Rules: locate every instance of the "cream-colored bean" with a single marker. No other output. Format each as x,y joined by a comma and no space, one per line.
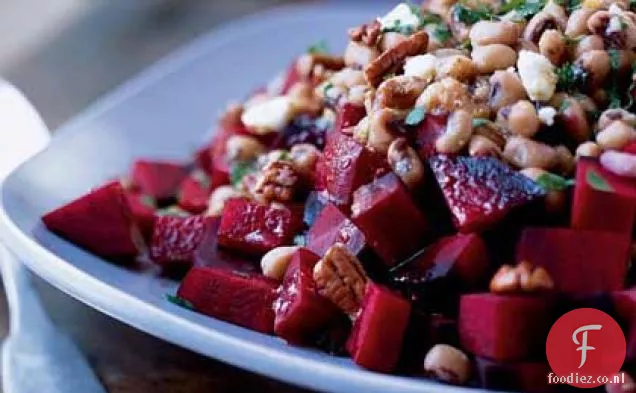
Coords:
446,95
554,8
399,92
439,7
552,46
487,32
597,65
380,129
459,129
610,115
588,149
405,163
480,146
242,148
526,153
489,58
275,262
358,55
304,157
447,364
577,22
217,199
539,23
506,89
459,67
523,44
588,43
523,119
616,136
390,40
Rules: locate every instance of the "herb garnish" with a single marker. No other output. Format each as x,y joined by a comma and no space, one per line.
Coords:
614,95
552,182
415,116
524,8
480,122
442,33
470,16
181,302
597,181
318,47
239,170
571,77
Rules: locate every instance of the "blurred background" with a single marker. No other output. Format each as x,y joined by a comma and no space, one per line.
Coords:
64,54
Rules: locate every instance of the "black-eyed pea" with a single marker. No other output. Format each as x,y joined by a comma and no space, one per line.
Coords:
491,32
577,22
554,8
505,89
523,119
358,55
399,92
526,153
610,115
217,199
573,119
459,129
527,45
588,149
552,45
447,364
446,95
243,148
588,43
275,262
489,58
459,67
380,133
597,65
566,160
617,162
616,135
405,163
480,146
539,23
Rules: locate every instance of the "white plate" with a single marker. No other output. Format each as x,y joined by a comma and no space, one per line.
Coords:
166,113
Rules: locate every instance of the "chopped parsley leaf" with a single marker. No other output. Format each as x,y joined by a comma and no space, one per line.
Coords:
470,16
551,182
239,170
442,33
480,122
571,77
415,116
179,301
613,91
318,47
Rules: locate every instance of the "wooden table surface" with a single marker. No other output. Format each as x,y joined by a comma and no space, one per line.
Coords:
111,42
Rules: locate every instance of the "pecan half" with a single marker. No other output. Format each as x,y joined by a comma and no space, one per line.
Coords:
339,277
368,33
391,59
310,64
277,181
522,278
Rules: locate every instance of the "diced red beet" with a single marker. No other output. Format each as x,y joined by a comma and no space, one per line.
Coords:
389,219
630,148
577,261
290,78
481,191
194,192
602,200
143,208
346,165
427,132
331,227
254,228
203,159
378,332
159,179
349,115
101,222
239,298
175,239
301,313
505,328
530,377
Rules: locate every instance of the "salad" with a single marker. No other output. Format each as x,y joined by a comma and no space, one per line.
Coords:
428,203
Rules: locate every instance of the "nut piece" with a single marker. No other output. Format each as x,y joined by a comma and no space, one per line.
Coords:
368,33
339,277
274,263
380,133
399,92
480,146
447,364
304,99
242,148
522,278
588,149
358,55
217,199
459,67
446,95
313,64
405,163
459,129
271,115
394,57
304,157
277,181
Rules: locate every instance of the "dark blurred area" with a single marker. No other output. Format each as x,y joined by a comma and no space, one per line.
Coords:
64,54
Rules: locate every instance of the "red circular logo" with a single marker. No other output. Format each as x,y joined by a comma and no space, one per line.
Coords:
585,348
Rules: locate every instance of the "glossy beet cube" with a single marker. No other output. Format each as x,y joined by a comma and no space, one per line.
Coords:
143,208
175,239
349,115
427,132
505,328
346,165
331,227
630,148
602,200
100,222
530,377
195,191
577,261
378,332
159,179
389,219
239,298
481,191
203,159
301,313
254,228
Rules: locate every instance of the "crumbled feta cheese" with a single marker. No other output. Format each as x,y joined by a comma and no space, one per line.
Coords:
615,9
402,15
537,75
547,114
421,66
512,16
615,25
271,115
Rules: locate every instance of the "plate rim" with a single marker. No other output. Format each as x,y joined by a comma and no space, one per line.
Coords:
167,326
